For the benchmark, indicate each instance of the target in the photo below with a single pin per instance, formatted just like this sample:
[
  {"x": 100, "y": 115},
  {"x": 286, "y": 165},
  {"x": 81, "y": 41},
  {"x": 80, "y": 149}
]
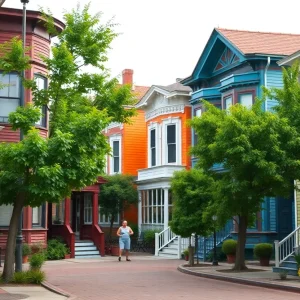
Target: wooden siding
[
  {"x": 274, "y": 79},
  {"x": 272, "y": 214},
  {"x": 134, "y": 143},
  {"x": 298, "y": 204}
]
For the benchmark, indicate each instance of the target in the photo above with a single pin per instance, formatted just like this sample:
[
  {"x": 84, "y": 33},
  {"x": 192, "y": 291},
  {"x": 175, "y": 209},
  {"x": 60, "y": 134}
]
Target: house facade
[
  {"x": 232, "y": 68},
  {"x": 127, "y": 143},
  {"x": 37, "y": 38},
  {"x": 166, "y": 146}
]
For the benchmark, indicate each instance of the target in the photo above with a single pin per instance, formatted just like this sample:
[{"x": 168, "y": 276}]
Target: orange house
[
  {"x": 127, "y": 142},
  {"x": 167, "y": 145}
]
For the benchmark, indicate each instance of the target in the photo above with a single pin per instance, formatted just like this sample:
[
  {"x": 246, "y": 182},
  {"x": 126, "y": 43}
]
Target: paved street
[{"x": 146, "y": 278}]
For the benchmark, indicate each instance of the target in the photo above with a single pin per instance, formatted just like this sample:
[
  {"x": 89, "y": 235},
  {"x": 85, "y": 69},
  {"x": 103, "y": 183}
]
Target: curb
[
  {"x": 263, "y": 284},
  {"x": 58, "y": 291}
]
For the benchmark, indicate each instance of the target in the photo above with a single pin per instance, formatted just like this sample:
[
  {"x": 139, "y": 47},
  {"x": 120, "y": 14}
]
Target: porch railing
[
  {"x": 98, "y": 239},
  {"x": 286, "y": 247},
  {"x": 163, "y": 238}
]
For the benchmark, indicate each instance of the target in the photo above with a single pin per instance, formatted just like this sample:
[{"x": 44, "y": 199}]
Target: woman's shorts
[{"x": 124, "y": 244}]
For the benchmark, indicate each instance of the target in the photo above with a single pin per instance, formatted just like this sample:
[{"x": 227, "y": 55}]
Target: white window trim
[
  {"x": 111, "y": 159},
  {"x": 154, "y": 125},
  {"x": 39, "y": 212},
  {"x": 88, "y": 210},
  {"x": 166, "y": 122}
]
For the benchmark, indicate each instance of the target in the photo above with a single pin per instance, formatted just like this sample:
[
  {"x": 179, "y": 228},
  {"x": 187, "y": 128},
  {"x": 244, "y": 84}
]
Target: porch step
[
  {"x": 170, "y": 251},
  {"x": 86, "y": 249},
  {"x": 289, "y": 271}
]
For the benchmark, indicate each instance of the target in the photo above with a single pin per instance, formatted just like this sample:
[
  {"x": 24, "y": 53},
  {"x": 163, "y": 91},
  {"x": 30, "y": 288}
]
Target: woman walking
[{"x": 124, "y": 233}]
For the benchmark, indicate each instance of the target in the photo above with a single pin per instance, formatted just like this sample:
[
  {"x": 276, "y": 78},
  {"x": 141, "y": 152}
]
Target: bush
[
  {"x": 186, "y": 252},
  {"x": 263, "y": 250},
  {"x": 20, "y": 277},
  {"x": 149, "y": 236},
  {"x": 37, "y": 247},
  {"x": 229, "y": 247},
  {"x": 56, "y": 249},
  {"x": 135, "y": 230},
  {"x": 36, "y": 261},
  {"x": 31, "y": 276},
  {"x": 297, "y": 259},
  {"x": 36, "y": 276},
  {"x": 26, "y": 250}
]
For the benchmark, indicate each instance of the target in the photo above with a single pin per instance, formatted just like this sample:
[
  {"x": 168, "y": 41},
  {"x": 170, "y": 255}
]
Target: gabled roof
[
  {"x": 167, "y": 90},
  {"x": 139, "y": 91},
  {"x": 256, "y": 42},
  {"x": 289, "y": 60},
  {"x": 243, "y": 44}
]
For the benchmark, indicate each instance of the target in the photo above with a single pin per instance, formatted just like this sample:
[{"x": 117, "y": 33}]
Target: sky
[{"x": 162, "y": 40}]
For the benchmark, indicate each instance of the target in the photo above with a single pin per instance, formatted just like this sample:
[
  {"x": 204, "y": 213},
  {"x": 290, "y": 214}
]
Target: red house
[{"x": 74, "y": 218}]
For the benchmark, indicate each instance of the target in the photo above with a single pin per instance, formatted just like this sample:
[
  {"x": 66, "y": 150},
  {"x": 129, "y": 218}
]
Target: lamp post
[
  {"x": 19, "y": 239},
  {"x": 215, "y": 261}
]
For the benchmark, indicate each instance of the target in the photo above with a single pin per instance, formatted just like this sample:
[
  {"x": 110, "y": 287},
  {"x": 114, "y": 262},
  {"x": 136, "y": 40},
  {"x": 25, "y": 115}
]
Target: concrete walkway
[
  {"x": 28, "y": 292},
  {"x": 259, "y": 276}
]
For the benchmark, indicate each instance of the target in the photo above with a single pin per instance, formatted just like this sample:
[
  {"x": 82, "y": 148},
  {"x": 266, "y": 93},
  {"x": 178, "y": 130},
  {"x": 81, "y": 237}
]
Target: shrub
[
  {"x": 56, "y": 250},
  {"x": 186, "y": 252},
  {"x": 149, "y": 236},
  {"x": 30, "y": 276},
  {"x": 297, "y": 259},
  {"x": 36, "y": 261},
  {"x": 37, "y": 247},
  {"x": 36, "y": 276},
  {"x": 229, "y": 247},
  {"x": 26, "y": 250},
  {"x": 135, "y": 230},
  {"x": 20, "y": 277},
  {"x": 263, "y": 250}
]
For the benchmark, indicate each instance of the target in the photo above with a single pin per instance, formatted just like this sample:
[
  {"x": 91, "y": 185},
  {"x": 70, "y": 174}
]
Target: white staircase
[
  {"x": 86, "y": 249},
  {"x": 169, "y": 245}
]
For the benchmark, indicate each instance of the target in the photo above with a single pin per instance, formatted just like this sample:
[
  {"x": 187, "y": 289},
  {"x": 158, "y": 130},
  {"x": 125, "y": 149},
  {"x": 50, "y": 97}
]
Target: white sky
[{"x": 162, "y": 39}]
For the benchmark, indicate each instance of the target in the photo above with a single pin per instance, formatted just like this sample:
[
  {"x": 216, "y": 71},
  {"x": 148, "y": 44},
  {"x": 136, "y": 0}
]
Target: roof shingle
[{"x": 254, "y": 42}]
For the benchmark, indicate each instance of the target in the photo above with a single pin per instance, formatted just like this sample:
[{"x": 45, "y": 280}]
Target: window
[
  {"x": 105, "y": 220},
  {"x": 246, "y": 100},
  {"x": 37, "y": 216},
  {"x": 153, "y": 147},
  {"x": 197, "y": 113},
  {"x": 153, "y": 206},
  {"x": 9, "y": 95},
  {"x": 58, "y": 213},
  {"x": 116, "y": 156},
  {"x": 5, "y": 214},
  {"x": 88, "y": 208},
  {"x": 227, "y": 102},
  {"x": 41, "y": 83},
  {"x": 171, "y": 143}
]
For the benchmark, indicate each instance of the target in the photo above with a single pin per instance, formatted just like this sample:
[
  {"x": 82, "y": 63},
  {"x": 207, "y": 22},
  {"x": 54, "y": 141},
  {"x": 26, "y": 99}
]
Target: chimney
[{"x": 127, "y": 76}]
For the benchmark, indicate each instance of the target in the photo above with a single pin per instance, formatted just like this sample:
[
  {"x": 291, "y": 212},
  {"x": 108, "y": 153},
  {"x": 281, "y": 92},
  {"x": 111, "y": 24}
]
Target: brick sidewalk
[{"x": 144, "y": 278}]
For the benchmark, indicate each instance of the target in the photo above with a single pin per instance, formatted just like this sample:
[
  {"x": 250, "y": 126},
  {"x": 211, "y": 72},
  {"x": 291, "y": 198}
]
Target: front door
[
  {"x": 285, "y": 217},
  {"x": 76, "y": 199}
]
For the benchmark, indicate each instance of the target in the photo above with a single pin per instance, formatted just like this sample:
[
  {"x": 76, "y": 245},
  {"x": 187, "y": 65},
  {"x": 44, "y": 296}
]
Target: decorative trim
[
  {"x": 114, "y": 125},
  {"x": 164, "y": 111}
]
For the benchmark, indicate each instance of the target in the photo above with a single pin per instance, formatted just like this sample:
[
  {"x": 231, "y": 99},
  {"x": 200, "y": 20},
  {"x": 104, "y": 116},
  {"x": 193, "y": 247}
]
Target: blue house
[{"x": 232, "y": 68}]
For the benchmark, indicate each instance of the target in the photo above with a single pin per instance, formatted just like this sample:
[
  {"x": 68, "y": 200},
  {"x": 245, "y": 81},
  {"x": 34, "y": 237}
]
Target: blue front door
[{"x": 285, "y": 217}]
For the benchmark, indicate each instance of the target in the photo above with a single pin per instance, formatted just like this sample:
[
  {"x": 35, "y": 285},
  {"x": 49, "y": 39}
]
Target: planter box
[
  {"x": 115, "y": 250},
  {"x": 67, "y": 256},
  {"x": 25, "y": 259}
]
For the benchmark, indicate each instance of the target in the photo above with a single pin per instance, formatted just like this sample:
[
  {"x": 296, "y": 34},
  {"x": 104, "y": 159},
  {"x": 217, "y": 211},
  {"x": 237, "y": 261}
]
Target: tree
[
  {"x": 116, "y": 195},
  {"x": 251, "y": 145},
  {"x": 81, "y": 105},
  {"x": 191, "y": 191}
]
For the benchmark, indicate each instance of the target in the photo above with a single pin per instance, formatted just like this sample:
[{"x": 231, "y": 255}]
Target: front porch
[{"x": 76, "y": 219}]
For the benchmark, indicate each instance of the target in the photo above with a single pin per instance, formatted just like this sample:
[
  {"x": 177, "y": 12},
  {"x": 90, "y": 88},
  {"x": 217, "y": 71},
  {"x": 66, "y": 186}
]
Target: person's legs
[
  {"x": 127, "y": 247},
  {"x": 121, "y": 245}
]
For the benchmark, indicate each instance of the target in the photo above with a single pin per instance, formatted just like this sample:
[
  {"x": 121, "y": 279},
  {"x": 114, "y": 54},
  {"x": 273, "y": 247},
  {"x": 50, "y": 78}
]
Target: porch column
[
  {"x": 95, "y": 216},
  {"x": 67, "y": 211},
  {"x": 140, "y": 212},
  {"x": 166, "y": 208}
]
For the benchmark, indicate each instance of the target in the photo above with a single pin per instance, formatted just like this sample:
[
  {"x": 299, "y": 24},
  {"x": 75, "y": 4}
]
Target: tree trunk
[
  {"x": 240, "y": 251},
  {"x": 191, "y": 256},
  {"x": 9, "y": 261}
]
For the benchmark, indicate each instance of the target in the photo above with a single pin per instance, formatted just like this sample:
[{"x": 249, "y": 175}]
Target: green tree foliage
[
  {"x": 81, "y": 105},
  {"x": 191, "y": 191},
  {"x": 251, "y": 146},
  {"x": 116, "y": 195}
]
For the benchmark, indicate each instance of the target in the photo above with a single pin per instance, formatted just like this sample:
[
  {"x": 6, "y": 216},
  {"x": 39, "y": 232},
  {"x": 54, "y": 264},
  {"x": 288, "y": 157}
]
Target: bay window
[
  {"x": 246, "y": 100},
  {"x": 9, "y": 95},
  {"x": 227, "y": 102},
  {"x": 153, "y": 206},
  {"x": 41, "y": 83}
]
